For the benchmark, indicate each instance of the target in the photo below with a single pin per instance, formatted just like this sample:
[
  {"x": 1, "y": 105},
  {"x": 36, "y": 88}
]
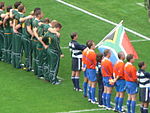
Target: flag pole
[{"x": 120, "y": 23}]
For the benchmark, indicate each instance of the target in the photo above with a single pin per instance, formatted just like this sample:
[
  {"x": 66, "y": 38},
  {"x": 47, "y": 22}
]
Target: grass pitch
[{"x": 22, "y": 92}]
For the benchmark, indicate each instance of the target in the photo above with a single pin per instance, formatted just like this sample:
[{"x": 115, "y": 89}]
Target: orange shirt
[
  {"x": 107, "y": 67},
  {"x": 84, "y": 53},
  {"x": 130, "y": 72},
  {"x": 91, "y": 59},
  {"x": 118, "y": 69}
]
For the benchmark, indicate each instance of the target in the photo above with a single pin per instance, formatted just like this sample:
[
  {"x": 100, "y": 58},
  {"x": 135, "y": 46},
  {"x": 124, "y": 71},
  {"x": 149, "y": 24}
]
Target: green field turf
[{"x": 22, "y": 92}]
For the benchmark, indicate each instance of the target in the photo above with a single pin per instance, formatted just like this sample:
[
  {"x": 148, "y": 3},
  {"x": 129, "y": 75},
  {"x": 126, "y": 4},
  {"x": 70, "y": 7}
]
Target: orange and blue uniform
[
  {"x": 107, "y": 71},
  {"x": 118, "y": 70},
  {"x": 131, "y": 78},
  {"x": 91, "y": 72}
]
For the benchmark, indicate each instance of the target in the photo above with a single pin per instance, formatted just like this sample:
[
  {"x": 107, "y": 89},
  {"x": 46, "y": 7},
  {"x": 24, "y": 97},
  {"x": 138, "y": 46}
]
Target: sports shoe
[
  {"x": 123, "y": 111},
  {"x": 101, "y": 106},
  {"x": 94, "y": 102},
  {"x": 56, "y": 83},
  {"x": 107, "y": 108},
  {"x": 89, "y": 100},
  {"x": 42, "y": 78},
  {"x": 80, "y": 90}
]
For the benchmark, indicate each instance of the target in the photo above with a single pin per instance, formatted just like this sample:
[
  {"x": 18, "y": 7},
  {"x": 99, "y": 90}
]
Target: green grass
[{"x": 22, "y": 92}]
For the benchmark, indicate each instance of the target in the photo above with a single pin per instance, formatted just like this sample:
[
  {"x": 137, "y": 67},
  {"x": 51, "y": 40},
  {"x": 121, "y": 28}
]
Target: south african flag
[{"x": 117, "y": 40}]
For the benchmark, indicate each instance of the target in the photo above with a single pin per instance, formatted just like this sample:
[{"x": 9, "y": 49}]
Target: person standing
[
  {"x": 144, "y": 85},
  {"x": 76, "y": 53},
  {"x": 131, "y": 83}
]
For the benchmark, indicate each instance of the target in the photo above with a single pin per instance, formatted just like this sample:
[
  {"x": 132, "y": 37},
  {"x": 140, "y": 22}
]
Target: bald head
[{"x": 121, "y": 55}]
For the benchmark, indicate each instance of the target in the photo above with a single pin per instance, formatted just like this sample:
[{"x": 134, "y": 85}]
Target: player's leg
[
  {"x": 105, "y": 92},
  {"x": 85, "y": 84},
  {"x": 108, "y": 96},
  {"x": 18, "y": 50},
  {"x": 73, "y": 79}
]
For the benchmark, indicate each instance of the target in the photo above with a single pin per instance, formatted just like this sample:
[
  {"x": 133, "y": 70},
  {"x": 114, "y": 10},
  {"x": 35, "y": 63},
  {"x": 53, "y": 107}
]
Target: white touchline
[
  {"x": 141, "y": 4},
  {"x": 78, "y": 111},
  {"x": 101, "y": 18},
  {"x": 100, "y": 109},
  {"x": 139, "y": 41}
]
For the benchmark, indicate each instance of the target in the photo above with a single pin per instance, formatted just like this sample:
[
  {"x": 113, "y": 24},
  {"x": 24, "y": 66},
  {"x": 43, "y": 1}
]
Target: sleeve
[
  {"x": 79, "y": 46},
  {"x": 147, "y": 74},
  {"x": 28, "y": 22},
  {"x": 133, "y": 72}
]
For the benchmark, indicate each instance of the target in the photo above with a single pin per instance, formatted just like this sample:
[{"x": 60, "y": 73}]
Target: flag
[{"x": 117, "y": 41}]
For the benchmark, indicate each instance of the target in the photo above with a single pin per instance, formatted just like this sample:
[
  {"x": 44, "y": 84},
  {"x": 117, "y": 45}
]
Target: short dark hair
[
  {"x": 9, "y": 8},
  {"x": 17, "y": 4},
  {"x": 47, "y": 20},
  {"x": 21, "y": 8},
  {"x": 2, "y": 4},
  {"x": 74, "y": 34},
  {"x": 90, "y": 43},
  {"x": 106, "y": 52},
  {"x": 58, "y": 25},
  {"x": 140, "y": 64},
  {"x": 36, "y": 9},
  {"x": 120, "y": 54},
  {"x": 129, "y": 57},
  {"x": 99, "y": 57},
  {"x": 38, "y": 12}
]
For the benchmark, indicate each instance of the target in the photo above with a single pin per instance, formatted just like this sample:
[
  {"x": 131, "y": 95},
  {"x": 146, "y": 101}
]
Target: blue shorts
[
  {"x": 85, "y": 73},
  {"x": 91, "y": 74},
  {"x": 131, "y": 87},
  {"x": 106, "y": 82},
  {"x": 120, "y": 85}
]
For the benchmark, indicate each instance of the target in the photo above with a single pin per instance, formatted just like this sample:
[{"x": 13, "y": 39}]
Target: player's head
[
  {"x": 46, "y": 21},
  {"x": 36, "y": 9},
  {"x": 91, "y": 44},
  {"x": 58, "y": 26},
  {"x": 121, "y": 55},
  {"x": 99, "y": 57},
  {"x": 39, "y": 14},
  {"x": 17, "y": 4},
  {"x": 74, "y": 36},
  {"x": 53, "y": 22},
  {"x": 107, "y": 53},
  {"x": 22, "y": 9},
  {"x": 142, "y": 65},
  {"x": 32, "y": 13},
  {"x": 8, "y": 8},
  {"x": 130, "y": 58},
  {"x": 2, "y": 5}
]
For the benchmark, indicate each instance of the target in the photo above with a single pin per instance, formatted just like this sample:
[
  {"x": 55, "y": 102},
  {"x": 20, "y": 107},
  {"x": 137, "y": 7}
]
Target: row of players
[
  {"x": 33, "y": 37},
  {"x": 98, "y": 68}
]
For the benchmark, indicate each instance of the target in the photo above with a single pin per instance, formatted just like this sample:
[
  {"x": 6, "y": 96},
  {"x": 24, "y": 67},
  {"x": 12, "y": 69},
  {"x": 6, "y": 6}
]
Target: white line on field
[
  {"x": 64, "y": 47},
  {"x": 139, "y": 40},
  {"x": 141, "y": 4},
  {"x": 100, "y": 109},
  {"x": 101, "y": 18},
  {"x": 78, "y": 111}
]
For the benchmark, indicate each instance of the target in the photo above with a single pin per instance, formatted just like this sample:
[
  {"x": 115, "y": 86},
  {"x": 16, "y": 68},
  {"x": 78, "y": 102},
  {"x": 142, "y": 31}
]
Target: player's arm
[
  {"x": 41, "y": 41},
  {"x": 5, "y": 20},
  {"x": 35, "y": 32},
  {"x": 23, "y": 19},
  {"x": 17, "y": 26},
  {"x": 80, "y": 47},
  {"x": 29, "y": 29},
  {"x": 52, "y": 30},
  {"x": 133, "y": 72},
  {"x": 147, "y": 74}
]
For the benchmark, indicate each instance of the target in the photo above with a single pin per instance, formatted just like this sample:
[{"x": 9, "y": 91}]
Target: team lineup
[
  {"x": 33, "y": 36},
  {"x": 99, "y": 69},
  {"x": 37, "y": 39}
]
